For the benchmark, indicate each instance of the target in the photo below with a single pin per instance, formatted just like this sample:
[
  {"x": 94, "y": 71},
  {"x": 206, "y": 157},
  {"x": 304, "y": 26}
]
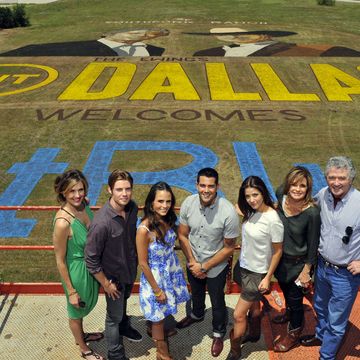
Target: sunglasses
[{"x": 348, "y": 232}]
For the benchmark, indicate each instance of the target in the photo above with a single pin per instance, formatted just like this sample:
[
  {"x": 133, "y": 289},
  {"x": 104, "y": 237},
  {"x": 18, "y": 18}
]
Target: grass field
[{"x": 327, "y": 127}]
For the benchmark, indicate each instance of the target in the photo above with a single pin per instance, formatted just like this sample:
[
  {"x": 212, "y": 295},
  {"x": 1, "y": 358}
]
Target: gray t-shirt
[{"x": 208, "y": 227}]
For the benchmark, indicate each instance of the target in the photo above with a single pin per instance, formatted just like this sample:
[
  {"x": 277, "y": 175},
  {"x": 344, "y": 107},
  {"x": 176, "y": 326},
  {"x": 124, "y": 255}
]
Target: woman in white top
[{"x": 261, "y": 249}]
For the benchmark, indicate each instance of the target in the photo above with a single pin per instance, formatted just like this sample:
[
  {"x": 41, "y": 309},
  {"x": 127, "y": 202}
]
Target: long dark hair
[
  {"x": 151, "y": 216},
  {"x": 257, "y": 183}
]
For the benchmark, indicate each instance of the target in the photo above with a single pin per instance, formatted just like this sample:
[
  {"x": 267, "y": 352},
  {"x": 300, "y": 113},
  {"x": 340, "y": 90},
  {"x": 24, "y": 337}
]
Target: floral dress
[{"x": 168, "y": 274}]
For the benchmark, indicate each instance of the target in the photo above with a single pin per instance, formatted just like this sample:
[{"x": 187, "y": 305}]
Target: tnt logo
[{"x": 19, "y": 78}]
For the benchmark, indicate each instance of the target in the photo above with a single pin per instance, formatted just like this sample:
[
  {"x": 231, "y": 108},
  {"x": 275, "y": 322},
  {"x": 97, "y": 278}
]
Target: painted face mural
[
  {"x": 242, "y": 43},
  {"x": 237, "y": 42}
]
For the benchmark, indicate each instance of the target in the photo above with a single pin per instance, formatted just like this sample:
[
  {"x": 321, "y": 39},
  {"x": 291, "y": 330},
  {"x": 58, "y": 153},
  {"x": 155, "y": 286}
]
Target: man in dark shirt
[{"x": 110, "y": 255}]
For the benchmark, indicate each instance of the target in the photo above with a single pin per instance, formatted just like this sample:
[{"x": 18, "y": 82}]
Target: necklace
[{"x": 294, "y": 207}]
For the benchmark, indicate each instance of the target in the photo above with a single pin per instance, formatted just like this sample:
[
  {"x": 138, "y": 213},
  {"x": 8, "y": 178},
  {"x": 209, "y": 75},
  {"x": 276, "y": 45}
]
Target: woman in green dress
[{"x": 71, "y": 224}]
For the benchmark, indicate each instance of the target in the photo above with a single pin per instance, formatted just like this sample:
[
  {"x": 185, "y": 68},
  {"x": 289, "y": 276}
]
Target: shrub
[
  {"x": 20, "y": 17},
  {"x": 13, "y": 17},
  {"x": 326, "y": 2},
  {"x": 6, "y": 18}
]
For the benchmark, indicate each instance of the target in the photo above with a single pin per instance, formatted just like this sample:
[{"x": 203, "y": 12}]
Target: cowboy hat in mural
[
  {"x": 116, "y": 43},
  {"x": 244, "y": 43}
]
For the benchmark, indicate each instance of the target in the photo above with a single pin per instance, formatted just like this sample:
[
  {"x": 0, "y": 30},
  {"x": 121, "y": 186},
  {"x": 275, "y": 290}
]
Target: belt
[
  {"x": 294, "y": 258},
  {"x": 334, "y": 266}
]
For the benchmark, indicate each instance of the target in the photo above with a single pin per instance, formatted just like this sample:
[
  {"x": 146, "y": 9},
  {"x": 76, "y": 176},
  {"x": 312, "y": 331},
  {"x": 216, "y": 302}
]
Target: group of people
[{"x": 291, "y": 240}]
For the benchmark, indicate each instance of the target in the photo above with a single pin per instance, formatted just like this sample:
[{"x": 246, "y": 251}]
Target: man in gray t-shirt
[{"x": 209, "y": 226}]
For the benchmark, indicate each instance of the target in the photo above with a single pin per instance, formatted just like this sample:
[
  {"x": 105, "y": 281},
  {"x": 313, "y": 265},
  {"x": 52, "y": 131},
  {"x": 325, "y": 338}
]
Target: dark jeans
[
  {"x": 115, "y": 311},
  {"x": 215, "y": 287},
  {"x": 294, "y": 303},
  {"x": 125, "y": 322}
]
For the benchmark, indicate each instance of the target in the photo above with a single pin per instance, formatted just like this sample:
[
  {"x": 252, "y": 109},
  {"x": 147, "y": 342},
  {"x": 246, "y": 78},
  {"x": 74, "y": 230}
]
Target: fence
[{"x": 55, "y": 287}]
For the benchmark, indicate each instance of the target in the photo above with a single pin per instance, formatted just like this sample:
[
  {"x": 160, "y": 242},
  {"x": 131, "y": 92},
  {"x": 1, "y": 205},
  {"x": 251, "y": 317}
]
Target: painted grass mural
[{"x": 247, "y": 88}]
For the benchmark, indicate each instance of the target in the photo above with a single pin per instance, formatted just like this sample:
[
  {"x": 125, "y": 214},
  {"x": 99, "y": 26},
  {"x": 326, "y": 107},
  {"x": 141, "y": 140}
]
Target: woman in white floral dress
[{"x": 162, "y": 282}]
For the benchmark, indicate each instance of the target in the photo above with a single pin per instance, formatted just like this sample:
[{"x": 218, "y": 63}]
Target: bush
[
  {"x": 326, "y": 2},
  {"x": 13, "y": 17},
  {"x": 6, "y": 18},
  {"x": 20, "y": 17}
]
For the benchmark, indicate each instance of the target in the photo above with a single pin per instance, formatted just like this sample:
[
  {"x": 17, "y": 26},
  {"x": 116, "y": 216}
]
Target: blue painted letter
[
  {"x": 27, "y": 176},
  {"x": 97, "y": 167}
]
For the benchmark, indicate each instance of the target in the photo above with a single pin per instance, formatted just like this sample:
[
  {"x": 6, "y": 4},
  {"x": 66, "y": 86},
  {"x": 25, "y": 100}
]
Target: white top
[
  {"x": 258, "y": 234},
  {"x": 123, "y": 49},
  {"x": 245, "y": 49}
]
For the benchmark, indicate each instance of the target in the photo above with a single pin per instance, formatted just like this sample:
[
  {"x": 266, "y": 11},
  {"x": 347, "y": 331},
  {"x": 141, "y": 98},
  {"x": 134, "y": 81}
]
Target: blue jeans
[
  {"x": 114, "y": 316},
  {"x": 215, "y": 287},
  {"x": 335, "y": 293}
]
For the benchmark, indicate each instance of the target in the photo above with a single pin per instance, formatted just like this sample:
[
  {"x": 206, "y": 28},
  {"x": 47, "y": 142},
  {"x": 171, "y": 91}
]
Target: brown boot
[
  {"x": 162, "y": 350},
  {"x": 282, "y": 318},
  {"x": 254, "y": 329},
  {"x": 287, "y": 342},
  {"x": 235, "y": 347},
  {"x": 167, "y": 332}
]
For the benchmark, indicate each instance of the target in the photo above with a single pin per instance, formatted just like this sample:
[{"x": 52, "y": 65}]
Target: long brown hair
[
  {"x": 67, "y": 180},
  {"x": 149, "y": 213}
]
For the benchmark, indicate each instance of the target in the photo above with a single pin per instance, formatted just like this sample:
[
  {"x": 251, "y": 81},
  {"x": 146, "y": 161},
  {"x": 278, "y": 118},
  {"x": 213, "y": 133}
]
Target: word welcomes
[{"x": 98, "y": 114}]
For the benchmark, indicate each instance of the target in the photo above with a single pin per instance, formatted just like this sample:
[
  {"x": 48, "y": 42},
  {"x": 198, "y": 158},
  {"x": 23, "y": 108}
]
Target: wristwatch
[{"x": 204, "y": 271}]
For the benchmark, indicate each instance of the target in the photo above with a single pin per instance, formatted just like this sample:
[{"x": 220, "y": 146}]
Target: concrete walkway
[{"x": 36, "y": 327}]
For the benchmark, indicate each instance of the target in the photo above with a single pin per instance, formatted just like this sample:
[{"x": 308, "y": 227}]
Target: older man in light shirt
[{"x": 338, "y": 271}]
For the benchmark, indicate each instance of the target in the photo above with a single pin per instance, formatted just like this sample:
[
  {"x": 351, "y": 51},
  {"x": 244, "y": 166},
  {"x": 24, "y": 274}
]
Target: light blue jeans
[{"x": 335, "y": 293}]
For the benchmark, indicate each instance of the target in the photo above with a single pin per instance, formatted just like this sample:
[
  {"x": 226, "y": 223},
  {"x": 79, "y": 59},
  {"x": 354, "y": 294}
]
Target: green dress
[{"x": 85, "y": 284}]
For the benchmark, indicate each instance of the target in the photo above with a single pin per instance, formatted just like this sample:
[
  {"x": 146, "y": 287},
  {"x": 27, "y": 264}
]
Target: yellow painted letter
[
  {"x": 275, "y": 88},
  {"x": 166, "y": 78},
  {"x": 220, "y": 86},
  {"x": 330, "y": 79},
  {"x": 116, "y": 85}
]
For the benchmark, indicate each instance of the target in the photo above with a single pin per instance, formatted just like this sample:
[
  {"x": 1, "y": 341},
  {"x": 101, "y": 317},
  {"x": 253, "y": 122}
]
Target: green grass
[
  {"x": 82, "y": 20},
  {"x": 330, "y": 127}
]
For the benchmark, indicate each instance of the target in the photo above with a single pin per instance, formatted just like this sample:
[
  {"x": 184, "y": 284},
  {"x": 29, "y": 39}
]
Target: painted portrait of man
[
  {"x": 242, "y": 43},
  {"x": 116, "y": 43}
]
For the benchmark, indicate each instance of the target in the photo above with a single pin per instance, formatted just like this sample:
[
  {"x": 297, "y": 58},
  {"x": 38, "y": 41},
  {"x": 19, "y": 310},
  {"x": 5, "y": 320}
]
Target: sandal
[
  {"x": 92, "y": 353},
  {"x": 93, "y": 336}
]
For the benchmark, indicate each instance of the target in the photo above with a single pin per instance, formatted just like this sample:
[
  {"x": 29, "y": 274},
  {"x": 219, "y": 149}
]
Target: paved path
[{"x": 35, "y": 327}]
